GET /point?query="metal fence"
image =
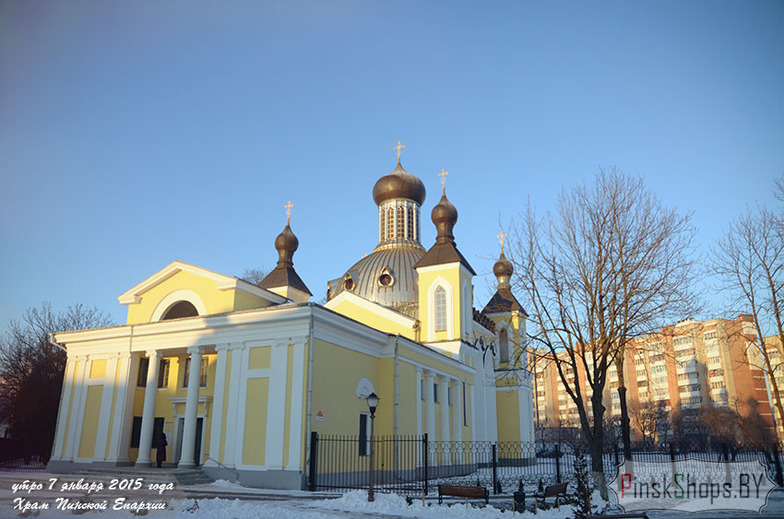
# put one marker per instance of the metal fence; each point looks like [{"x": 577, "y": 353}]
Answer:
[{"x": 414, "y": 465}]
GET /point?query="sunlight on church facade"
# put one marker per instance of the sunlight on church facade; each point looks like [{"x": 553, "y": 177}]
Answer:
[{"x": 238, "y": 376}]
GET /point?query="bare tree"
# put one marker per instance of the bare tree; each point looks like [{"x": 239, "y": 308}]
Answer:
[
  {"x": 647, "y": 417},
  {"x": 31, "y": 371},
  {"x": 610, "y": 264},
  {"x": 749, "y": 261},
  {"x": 253, "y": 275}
]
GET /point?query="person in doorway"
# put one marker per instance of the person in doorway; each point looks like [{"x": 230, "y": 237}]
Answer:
[{"x": 161, "y": 444}]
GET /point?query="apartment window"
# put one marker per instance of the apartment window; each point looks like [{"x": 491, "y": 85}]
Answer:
[
  {"x": 440, "y": 300},
  {"x": 141, "y": 378},
  {"x": 163, "y": 373}
]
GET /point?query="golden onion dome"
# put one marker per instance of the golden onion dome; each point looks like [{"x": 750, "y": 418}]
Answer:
[
  {"x": 503, "y": 267},
  {"x": 286, "y": 244},
  {"x": 399, "y": 184},
  {"x": 444, "y": 216}
]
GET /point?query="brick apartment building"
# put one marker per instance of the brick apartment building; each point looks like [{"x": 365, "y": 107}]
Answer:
[{"x": 679, "y": 371}]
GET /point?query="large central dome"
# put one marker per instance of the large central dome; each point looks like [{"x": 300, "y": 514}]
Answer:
[{"x": 387, "y": 276}]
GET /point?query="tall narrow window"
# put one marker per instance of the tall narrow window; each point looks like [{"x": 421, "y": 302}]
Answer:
[
  {"x": 202, "y": 372},
  {"x": 141, "y": 378},
  {"x": 410, "y": 223},
  {"x": 503, "y": 339},
  {"x": 163, "y": 373},
  {"x": 390, "y": 223},
  {"x": 401, "y": 218},
  {"x": 440, "y": 300},
  {"x": 364, "y": 434},
  {"x": 465, "y": 416}
]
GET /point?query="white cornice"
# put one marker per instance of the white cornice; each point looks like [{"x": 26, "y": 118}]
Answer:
[
  {"x": 366, "y": 304},
  {"x": 222, "y": 282}
]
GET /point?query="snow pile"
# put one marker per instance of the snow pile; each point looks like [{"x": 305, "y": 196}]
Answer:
[
  {"x": 392, "y": 504},
  {"x": 235, "y": 509}
]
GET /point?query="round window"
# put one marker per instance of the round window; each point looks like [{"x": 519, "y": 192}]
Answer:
[
  {"x": 348, "y": 284},
  {"x": 385, "y": 280}
]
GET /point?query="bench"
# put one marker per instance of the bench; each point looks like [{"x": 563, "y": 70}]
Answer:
[
  {"x": 641, "y": 515},
  {"x": 466, "y": 492},
  {"x": 558, "y": 490}
]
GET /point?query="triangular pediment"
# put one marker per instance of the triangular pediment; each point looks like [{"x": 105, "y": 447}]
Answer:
[{"x": 222, "y": 282}]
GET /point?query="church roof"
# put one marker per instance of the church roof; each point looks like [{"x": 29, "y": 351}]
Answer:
[
  {"x": 443, "y": 253},
  {"x": 503, "y": 301},
  {"x": 284, "y": 276}
]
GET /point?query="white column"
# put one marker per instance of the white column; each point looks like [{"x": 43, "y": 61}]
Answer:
[
  {"x": 216, "y": 421},
  {"x": 419, "y": 402},
  {"x": 297, "y": 405},
  {"x": 62, "y": 415},
  {"x": 457, "y": 413},
  {"x": 444, "y": 383},
  {"x": 431, "y": 408},
  {"x": 191, "y": 405},
  {"x": 123, "y": 408},
  {"x": 102, "y": 435},
  {"x": 148, "y": 414},
  {"x": 77, "y": 408}
]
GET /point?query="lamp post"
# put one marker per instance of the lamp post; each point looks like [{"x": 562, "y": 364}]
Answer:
[{"x": 372, "y": 401}]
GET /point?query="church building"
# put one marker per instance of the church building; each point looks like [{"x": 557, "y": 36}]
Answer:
[{"x": 238, "y": 375}]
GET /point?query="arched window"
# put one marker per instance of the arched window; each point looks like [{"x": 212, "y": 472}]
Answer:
[
  {"x": 503, "y": 347},
  {"x": 180, "y": 309},
  {"x": 440, "y": 302}
]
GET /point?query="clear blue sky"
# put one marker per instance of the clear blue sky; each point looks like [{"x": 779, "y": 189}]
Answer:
[{"x": 136, "y": 133}]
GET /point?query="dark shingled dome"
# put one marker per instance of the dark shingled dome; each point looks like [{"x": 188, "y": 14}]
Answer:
[
  {"x": 503, "y": 267},
  {"x": 399, "y": 184}
]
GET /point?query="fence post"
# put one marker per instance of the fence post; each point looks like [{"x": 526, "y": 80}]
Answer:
[
  {"x": 425, "y": 447},
  {"x": 777, "y": 461},
  {"x": 672, "y": 452},
  {"x": 312, "y": 464},
  {"x": 617, "y": 461},
  {"x": 495, "y": 468},
  {"x": 558, "y": 462}
]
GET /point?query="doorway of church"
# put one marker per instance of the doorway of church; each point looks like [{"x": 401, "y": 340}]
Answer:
[{"x": 197, "y": 444}]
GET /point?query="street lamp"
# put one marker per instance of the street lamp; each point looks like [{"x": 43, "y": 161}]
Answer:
[{"x": 372, "y": 401}]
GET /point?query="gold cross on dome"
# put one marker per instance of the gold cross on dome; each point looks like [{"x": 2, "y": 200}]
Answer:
[
  {"x": 501, "y": 237},
  {"x": 288, "y": 210},
  {"x": 443, "y": 175},
  {"x": 398, "y": 148}
]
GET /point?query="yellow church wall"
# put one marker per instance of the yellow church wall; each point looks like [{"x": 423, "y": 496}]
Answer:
[
  {"x": 92, "y": 408},
  {"x": 407, "y": 391},
  {"x": 259, "y": 358},
  {"x": 363, "y": 315},
  {"x": 215, "y": 301},
  {"x": 441, "y": 366},
  {"x": 98, "y": 368},
  {"x": 243, "y": 301},
  {"x": 455, "y": 277},
  {"x": 507, "y": 409},
  {"x": 337, "y": 371},
  {"x": 255, "y": 438}
]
